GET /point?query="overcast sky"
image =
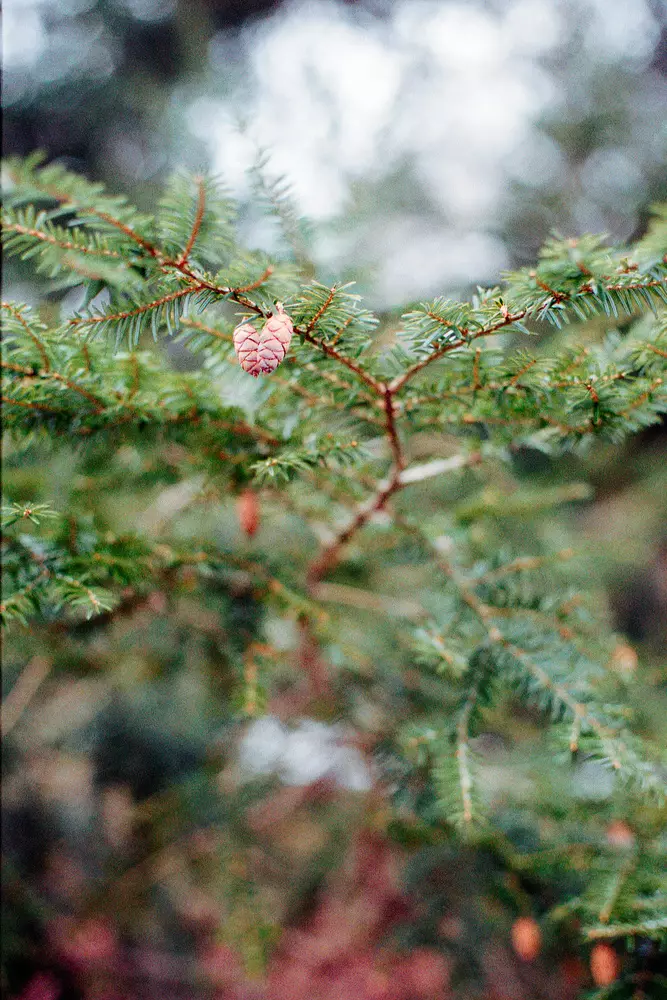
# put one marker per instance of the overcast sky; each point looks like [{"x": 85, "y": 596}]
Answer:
[{"x": 454, "y": 88}]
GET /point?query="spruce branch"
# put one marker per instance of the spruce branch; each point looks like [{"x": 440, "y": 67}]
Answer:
[
  {"x": 463, "y": 749},
  {"x": 196, "y": 225},
  {"x": 342, "y": 429},
  {"x": 17, "y": 312},
  {"x": 653, "y": 927}
]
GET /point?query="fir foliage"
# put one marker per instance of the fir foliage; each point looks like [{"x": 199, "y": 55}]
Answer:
[{"x": 337, "y": 440}]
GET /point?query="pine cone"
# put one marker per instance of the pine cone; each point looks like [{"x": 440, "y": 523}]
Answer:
[{"x": 260, "y": 353}]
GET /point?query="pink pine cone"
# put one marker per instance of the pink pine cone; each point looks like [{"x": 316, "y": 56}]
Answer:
[{"x": 260, "y": 352}]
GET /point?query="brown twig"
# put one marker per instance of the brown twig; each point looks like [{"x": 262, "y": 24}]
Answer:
[
  {"x": 392, "y": 433},
  {"x": 331, "y": 352},
  {"x": 62, "y": 244},
  {"x": 16, "y": 313},
  {"x": 90, "y": 320},
  {"x": 321, "y": 311},
  {"x": 127, "y": 230},
  {"x": 196, "y": 325},
  {"x": 522, "y": 371},
  {"x": 75, "y": 387},
  {"x": 330, "y": 554},
  {"x": 476, "y": 384},
  {"x": 259, "y": 282},
  {"x": 196, "y": 226},
  {"x": 21, "y": 369},
  {"x": 32, "y": 406},
  {"x": 507, "y": 320},
  {"x": 556, "y": 296}
]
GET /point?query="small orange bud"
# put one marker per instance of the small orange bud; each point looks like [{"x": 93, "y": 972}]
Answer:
[
  {"x": 605, "y": 964},
  {"x": 247, "y": 509},
  {"x": 624, "y": 660},
  {"x": 526, "y": 938},
  {"x": 620, "y": 835}
]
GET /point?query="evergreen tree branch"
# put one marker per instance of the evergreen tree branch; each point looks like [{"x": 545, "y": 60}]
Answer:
[
  {"x": 615, "y": 888},
  {"x": 507, "y": 320},
  {"x": 18, "y": 315},
  {"x": 196, "y": 226},
  {"x": 653, "y": 927},
  {"x": 79, "y": 321},
  {"x": 463, "y": 749},
  {"x": 45, "y": 237}
]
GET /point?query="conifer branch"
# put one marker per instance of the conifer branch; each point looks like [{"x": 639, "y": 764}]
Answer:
[
  {"x": 18, "y": 315},
  {"x": 263, "y": 278},
  {"x": 195, "y": 324},
  {"x": 334, "y": 434},
  {"x": 392, "y": 433},
  {"x": 110, "y": 317},
  {"x": 644, "y": 928},
  {"x": 578, "y": 708},
  {"x": 523, "y": 563},
  {"x": 21, "y": 369},
  {"x": 330, "y": 554},
  {"x": 95, "y": 400},
  {"x": 196, "y": 226},
  {"x": 331, "y": 352},
  {"x": 463, "y": 749},
  {"x": 15, "y": 227},
  {"x": 507, "y": 320},
  {"x": 615, "y": 888},
  {"x": 32, "y": 406}
]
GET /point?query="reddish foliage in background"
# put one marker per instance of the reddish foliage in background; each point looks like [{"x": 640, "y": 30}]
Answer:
[
  {"x": 337, "y": 953},
  {"x": 345, "y": 947},
  {"x": 42, "y": 986}
]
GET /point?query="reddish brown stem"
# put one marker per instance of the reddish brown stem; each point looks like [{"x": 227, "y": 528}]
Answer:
[
  {"x": 196, "y": 226},
  {"x": 31, "y": 406},
  {"x": 89, "y": 320},
  {"x": 507, "y": 320},
  {"x": 62, "y": 244},
  {"x": 21, "y": 369},
  {"x": 330, "y": 554},
  {"x": 321, "y": 311},
  {"x": 95, "y": 400},
  {"x": 259, "y": 282},
  {"x": 331, "y": 352},
  {"x": 16, "y": 313}
]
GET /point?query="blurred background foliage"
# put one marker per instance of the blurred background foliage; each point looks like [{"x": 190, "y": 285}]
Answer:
[{"x": 432, "y": 143}]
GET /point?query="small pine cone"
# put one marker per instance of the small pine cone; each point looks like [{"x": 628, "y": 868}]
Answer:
[
  {"x": 246, "y": 343},
  {"x": 260, "y": 353},
  {"x": 247, "y": 509}
]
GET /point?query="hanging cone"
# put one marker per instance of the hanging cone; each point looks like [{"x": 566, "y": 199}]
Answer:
[{"x": 260, "y": 352}]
